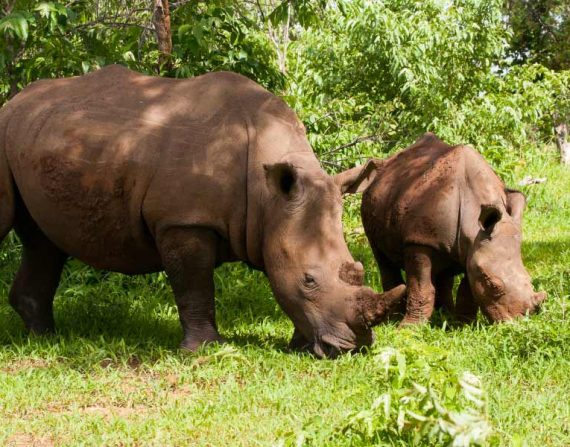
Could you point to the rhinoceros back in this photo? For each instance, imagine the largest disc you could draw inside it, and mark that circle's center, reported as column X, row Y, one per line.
column 84, row 152
column 415, row 198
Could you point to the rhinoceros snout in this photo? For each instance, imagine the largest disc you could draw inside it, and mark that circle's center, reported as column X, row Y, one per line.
column 331, row 346
column 324, row 350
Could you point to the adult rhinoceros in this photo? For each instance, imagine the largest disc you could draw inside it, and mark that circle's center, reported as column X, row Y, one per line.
column 138, row 174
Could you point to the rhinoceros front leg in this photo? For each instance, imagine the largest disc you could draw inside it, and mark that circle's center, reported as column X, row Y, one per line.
column 420, row 289
column 189, row 259
column 390, row 275
column 465, row 306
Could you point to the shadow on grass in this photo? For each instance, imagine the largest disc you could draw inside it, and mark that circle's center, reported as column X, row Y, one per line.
column 99, row 307
column 103, row 308
column 254, row 339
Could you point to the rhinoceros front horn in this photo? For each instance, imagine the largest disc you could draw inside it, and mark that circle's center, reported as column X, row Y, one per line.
column 377, row 306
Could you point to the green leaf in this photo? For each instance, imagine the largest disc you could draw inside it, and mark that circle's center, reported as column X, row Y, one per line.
column 18, row 22
column 279, row 13
column 183, row 29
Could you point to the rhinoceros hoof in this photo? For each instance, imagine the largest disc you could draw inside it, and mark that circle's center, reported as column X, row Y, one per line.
column 192, row 344
column 41, row 329
column 408, row 322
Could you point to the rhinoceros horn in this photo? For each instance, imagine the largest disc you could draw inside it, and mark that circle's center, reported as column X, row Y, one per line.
column 376, row 307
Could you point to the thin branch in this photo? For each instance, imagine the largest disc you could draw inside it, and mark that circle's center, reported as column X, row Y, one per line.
column 330, row 163
column 260, row 10
column 358, row 157
column 175, row 5
column 8, row 7
column 352, row 143
column 549, row 29
column 113, row 25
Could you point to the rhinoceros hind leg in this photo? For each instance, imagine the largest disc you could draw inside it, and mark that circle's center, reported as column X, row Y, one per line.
column 189, row 258
column 7, row 206
column 391, row 276
column 465, row 306
column 390, row 273
column 420, row 289
column 37, row 278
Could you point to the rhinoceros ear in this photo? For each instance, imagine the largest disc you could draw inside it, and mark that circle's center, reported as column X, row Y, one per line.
column 281, row 177
column 356, row 179
column 516, row 201
column 489, row 216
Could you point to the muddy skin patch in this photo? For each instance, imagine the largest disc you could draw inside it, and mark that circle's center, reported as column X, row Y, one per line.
column 96, row 205
column 495, row 288
column 350, row 274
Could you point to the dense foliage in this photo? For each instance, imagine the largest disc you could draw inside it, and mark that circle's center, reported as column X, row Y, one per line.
column 541, row 31
column 395, row 69
column 367, row 77
column 51, row 39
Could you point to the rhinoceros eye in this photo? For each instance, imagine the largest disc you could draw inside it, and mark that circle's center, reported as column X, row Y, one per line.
column 309, row 281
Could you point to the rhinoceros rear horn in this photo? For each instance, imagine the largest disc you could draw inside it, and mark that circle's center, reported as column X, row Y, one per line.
column 375, row 307
column 538, row 298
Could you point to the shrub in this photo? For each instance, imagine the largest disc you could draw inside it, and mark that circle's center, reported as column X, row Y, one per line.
column 426, row 403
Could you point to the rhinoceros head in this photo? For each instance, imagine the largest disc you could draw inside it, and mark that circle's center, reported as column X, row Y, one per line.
column 500, row 284
column 313, row 275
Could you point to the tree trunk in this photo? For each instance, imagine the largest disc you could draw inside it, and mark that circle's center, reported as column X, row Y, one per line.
column 563, row 144
column 161, row 22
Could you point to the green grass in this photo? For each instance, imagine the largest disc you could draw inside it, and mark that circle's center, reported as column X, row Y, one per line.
column 113, row 375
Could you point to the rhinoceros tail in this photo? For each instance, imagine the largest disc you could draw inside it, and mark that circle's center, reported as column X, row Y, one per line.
column 7, row 205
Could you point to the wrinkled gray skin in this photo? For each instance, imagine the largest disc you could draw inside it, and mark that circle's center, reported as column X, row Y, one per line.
column 437, row 211
column 137, row 174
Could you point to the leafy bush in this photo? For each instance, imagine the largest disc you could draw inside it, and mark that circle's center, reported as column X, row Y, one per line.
column 427, row 403
column 395, row 69
column 209, row 37
column 57, row 39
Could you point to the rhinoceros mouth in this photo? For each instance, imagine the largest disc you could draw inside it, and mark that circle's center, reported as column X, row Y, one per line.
column 331, row 346
column 323, row 350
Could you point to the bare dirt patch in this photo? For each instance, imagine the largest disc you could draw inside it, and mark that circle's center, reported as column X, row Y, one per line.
column 24, row 365
column 111, row 411
column 29, row 440
column 133, row 362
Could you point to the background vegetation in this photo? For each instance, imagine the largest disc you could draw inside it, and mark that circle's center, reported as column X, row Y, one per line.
column 382, row 72
column 367, row 78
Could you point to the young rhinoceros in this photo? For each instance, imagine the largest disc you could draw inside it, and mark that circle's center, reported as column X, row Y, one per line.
column 137, row 174
column 437, row 211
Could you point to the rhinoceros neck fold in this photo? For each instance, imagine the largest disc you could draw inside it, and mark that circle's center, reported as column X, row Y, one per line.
column 481, row 187
column 274, row 134
column 254, row 215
